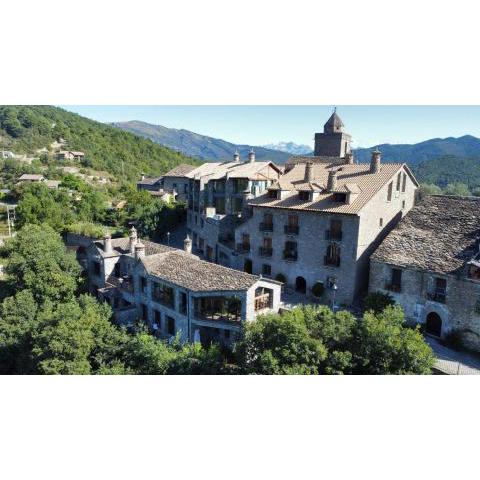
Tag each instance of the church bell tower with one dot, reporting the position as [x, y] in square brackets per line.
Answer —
[334, 141]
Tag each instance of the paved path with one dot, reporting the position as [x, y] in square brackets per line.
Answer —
[452, 362]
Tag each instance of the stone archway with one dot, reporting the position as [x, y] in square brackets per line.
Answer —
[301, 285]
[433, 324]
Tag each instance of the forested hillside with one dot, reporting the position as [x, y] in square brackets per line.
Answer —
[25, 129]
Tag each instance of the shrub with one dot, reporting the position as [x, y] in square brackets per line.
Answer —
[318, 289]
[87, 229]
[378, 301]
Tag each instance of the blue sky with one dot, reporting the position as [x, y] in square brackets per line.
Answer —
[259, 125]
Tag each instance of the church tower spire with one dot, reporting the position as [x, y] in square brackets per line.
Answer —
[334, 141]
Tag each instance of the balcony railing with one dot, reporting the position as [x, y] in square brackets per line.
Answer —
[265, 251]
[290, 255]
[331, 261]
[393, 287]
[291, 229]
[243, 247]
[266, 227]
[333, 235]
[438, 295]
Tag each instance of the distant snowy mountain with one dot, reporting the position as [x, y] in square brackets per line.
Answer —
[290, 147]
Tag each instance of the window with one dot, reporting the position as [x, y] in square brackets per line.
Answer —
[143, 284]
[399, 180]
[290, 252]
[266, 250]
[389, 193]
[339, 197]
[96, 269]
[220, 205]
[477, 307]
[304, 195]
[158, 319]
[144, 312]
[292, 226]
[174, 186]
[183, 303]
[164, 294]
[266, 269]
[267, 224]
[332, 258]
[170, 326]
[185, 188]
[335, 232]
[404, 183]
[403, 203]
[395, 284]
[116, 270]
[201, 223]
[439, 293]
[272, 194]
[237, 205]
[380, 222]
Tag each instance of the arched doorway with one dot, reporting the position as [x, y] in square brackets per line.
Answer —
[247, 266]
[301, 285]
[434, 324]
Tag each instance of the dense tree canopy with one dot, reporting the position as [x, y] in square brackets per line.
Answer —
[315, 340]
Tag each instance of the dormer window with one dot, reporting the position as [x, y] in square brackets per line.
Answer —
[340, 197]
[272, 194]
[304, 196]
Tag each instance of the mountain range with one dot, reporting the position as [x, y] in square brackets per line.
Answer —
[414, 154]
[290, 147]
[208, 148]
[196, 145]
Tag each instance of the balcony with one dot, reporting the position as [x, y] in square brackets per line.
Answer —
[333, 235]
[291, 229]
[266, 227]
[123, 283]
[438, 295]
[243, 247]
[290, 255]
[331, 261]
[393, 287]
[265, 251]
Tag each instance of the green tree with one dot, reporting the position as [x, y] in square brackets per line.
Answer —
[457, 188]
[385, 346]
[378, 301]
[280, 344]
[39, 262]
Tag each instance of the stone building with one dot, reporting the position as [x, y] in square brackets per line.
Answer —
[430, 264]
[174, 292]
[218, 202]
[320, 222]
[173, 185]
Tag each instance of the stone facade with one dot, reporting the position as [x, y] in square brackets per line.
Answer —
[175, 293]
[430, 264]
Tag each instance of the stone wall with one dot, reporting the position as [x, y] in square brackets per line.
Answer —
[459, 312]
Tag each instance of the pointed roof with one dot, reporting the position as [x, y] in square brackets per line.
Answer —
[334, 123]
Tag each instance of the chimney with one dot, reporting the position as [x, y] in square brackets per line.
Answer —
[251, 156]
[349, 158]
[142, 177]
[133, 239]
[309, 172]
[236, 156]
[332, 180]
[375, 161]
[139, 250]
[187, 245]
[107, 244]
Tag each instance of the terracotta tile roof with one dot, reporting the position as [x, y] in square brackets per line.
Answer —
[216, 170]
[438, 235]
[189, 272]
[121, 246]
[300, 159]
[354, 178]
[180, 170]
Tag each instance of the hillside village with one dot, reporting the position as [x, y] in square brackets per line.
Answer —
[199, 252]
